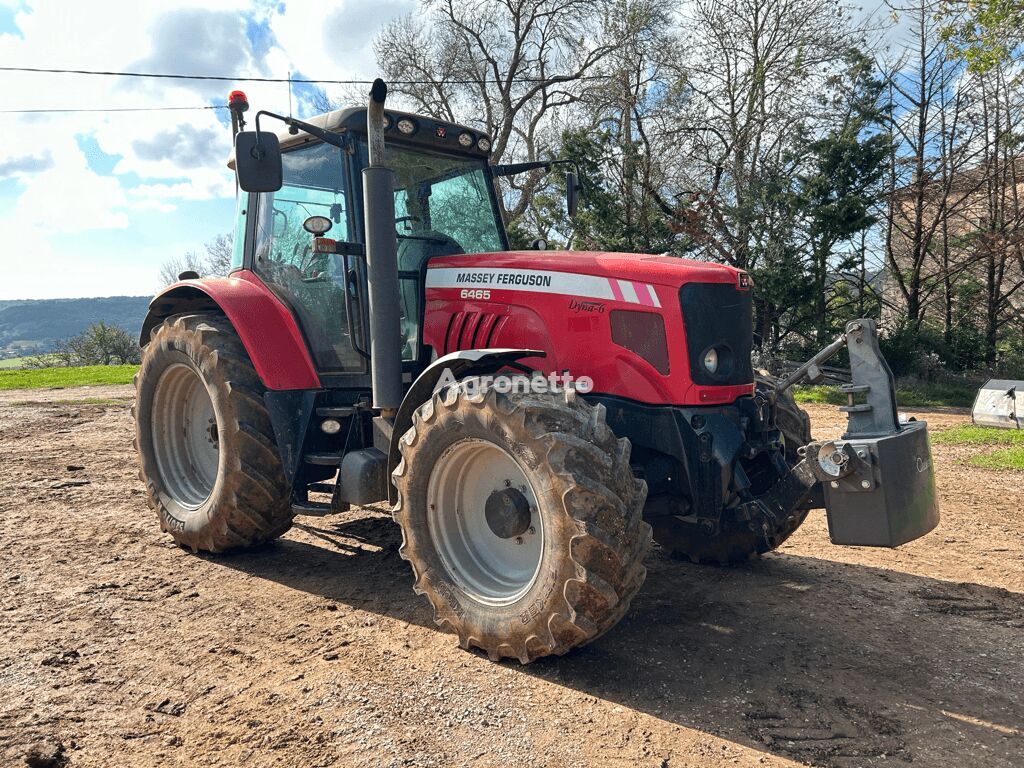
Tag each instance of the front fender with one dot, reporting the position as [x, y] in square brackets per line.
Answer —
[264, 325]
[469, 362]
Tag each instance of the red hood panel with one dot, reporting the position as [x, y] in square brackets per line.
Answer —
[661, 270]
[563, 302]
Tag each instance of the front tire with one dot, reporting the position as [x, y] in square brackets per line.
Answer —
[204, 439]
[521, 519]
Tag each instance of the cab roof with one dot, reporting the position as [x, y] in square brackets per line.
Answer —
[428, 132]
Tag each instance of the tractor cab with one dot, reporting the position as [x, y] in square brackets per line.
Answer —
[306, 240]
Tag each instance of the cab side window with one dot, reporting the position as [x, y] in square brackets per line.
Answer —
[313, 285]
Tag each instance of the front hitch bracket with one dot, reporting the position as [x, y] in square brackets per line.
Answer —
[878, 479]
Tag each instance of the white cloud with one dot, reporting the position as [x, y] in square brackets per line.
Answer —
[339, 46]
[163, 159]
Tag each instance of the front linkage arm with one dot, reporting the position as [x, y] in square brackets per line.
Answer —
[878, 479]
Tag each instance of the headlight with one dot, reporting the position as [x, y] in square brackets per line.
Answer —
[386, 122]
[466, 140]
[484, 144]
[406, 126]
[711, 360]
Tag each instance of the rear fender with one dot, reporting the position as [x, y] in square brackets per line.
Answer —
[266, 327]
[469, 362]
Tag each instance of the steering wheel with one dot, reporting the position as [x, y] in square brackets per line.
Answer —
[406, 220]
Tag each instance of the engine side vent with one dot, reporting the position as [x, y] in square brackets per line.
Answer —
[470, 330]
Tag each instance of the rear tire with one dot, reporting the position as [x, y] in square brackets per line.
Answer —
[578, 496]
[205, 443]
[739, 539]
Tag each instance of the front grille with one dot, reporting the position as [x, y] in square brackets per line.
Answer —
[718, 315]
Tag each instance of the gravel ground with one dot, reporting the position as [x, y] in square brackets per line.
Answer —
[116, 647]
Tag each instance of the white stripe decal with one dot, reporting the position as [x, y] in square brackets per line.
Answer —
[628, 292]
[535, 281]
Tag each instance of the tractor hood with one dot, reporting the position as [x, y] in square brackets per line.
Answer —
[667, 271]
[593, 311]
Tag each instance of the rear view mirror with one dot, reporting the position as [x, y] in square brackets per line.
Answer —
[572, 188]
[258, 161]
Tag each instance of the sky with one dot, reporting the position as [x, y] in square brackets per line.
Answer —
[91, 204]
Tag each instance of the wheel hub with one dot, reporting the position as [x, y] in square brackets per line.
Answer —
[508, 513]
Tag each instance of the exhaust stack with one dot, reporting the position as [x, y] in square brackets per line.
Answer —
[382, 262]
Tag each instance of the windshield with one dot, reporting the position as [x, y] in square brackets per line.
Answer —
[444, 205]
[443, 198]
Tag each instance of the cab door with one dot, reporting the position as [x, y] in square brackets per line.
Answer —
[317, 182]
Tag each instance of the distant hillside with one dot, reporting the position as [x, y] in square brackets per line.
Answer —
[29, 325]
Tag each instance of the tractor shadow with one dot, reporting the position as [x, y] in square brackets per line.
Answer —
[817, 661]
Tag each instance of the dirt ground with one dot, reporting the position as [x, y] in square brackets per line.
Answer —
[118, 648]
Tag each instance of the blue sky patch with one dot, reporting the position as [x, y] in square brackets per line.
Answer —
[7, 25]
[99, 161]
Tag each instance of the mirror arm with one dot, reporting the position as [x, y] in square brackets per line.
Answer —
[298, 125]
[512, 169]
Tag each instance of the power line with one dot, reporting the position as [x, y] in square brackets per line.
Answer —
[231, 79]
[111, 109]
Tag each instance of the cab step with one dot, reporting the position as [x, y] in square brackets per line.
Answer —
[324, 459]
[312, 508]
[322, 488]
[335, 412]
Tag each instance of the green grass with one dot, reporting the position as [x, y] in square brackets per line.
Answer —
[972, 434]
[13, 362]
[1008, 442]
[820, 395]
[918, 396]
[59, 378]
[1006, 458]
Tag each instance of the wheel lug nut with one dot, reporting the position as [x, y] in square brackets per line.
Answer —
[519, 539]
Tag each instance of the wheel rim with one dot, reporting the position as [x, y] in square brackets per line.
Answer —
[488, 568]
[185, 436]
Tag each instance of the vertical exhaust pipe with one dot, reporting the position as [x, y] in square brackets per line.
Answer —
[382, 262]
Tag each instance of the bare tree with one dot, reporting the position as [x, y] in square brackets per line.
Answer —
[218, 255]
[216, 262]
[504, 66]
[928, 181]
[99, 344]
[636, 101]
[755, 71]
[189, 262]
[999, 239]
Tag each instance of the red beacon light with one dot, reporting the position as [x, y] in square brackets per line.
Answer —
[238, 101]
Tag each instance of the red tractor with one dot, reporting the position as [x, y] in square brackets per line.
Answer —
[531, 416]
